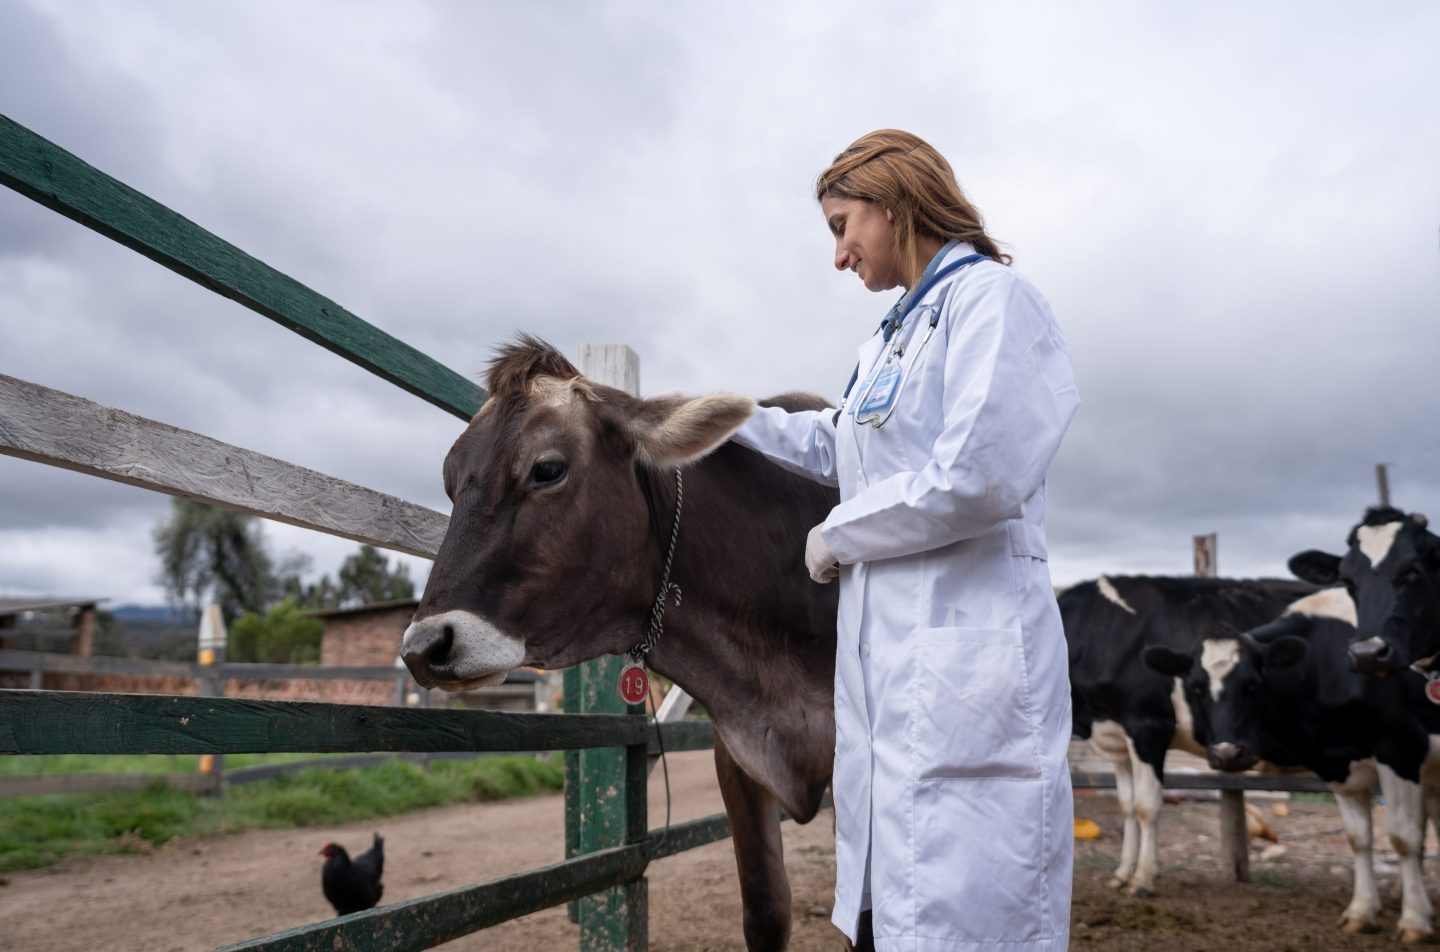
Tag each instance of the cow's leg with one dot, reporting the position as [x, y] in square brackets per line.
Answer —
[1430, 786]
[1130, 833]
[1148, 798]
[759, 855]
[1108, 740]
[1431, 794]
[1405, 825]
[1353, 799]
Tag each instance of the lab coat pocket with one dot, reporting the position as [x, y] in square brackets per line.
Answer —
[979, 860]
[971, 714]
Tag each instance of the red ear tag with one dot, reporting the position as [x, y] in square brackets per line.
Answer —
[1432, 692]
[634, 683]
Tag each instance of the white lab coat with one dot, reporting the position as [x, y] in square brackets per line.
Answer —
[953, 811]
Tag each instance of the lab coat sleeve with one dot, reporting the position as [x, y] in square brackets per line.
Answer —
[1008, 396]
[802, 442]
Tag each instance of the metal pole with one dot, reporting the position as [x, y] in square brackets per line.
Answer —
[1382, 480]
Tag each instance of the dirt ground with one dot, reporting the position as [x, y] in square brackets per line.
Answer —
[204, 893]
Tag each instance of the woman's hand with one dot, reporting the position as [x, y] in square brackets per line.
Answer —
[821, 564]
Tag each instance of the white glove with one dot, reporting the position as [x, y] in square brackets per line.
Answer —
[818, 561]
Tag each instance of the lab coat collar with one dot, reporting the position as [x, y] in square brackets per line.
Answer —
[952, 250]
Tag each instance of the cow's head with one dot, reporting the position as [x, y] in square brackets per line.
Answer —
[1222, 678]
[1392, 571]
[553, 551]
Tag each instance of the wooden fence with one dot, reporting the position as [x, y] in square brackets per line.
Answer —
[608, 845]
[214, 780]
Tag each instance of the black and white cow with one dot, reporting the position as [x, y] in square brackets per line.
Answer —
[1284, 693]
[1131, 714]
[1392, 570]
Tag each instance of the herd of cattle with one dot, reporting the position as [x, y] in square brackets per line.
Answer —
[555, 465]
[1338, 674]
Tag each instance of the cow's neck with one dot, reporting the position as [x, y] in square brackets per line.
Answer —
[752, 640]
[777, 726]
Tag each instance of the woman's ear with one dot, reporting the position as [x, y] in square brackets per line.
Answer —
[889, 215]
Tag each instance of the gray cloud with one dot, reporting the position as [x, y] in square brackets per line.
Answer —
[1233, 212]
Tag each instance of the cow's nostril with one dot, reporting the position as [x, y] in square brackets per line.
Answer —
[438, 654]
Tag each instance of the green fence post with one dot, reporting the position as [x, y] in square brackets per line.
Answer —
[571, 705]
[600, 803]
[637, 830]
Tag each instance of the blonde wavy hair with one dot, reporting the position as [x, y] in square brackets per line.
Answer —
[903, 173]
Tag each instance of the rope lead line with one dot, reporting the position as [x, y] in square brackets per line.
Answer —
[667, 587]
[665, 769]
[652, 637]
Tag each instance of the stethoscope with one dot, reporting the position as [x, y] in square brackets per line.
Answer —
[889, 327]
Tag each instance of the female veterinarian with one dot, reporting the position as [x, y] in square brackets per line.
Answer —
[952, 702]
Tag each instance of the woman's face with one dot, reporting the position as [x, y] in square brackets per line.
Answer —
[864, 240]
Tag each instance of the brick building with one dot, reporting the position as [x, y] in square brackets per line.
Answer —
[367, 635]
[371, 635]
[23, 624]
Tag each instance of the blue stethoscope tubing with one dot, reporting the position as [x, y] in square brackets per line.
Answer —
[896, 318]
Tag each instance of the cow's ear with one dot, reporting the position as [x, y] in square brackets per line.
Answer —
[1286, 651]
[1312, 565]
[673, 431]
[1167, 661]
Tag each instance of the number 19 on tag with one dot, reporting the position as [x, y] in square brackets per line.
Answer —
[634, 683]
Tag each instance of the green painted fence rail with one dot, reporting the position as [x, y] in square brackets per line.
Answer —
[33, 722]
[75, 722]
[40, 170]
[431, 920]
[1209, 780]
[54, 663]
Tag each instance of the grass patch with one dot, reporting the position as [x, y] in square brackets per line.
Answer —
[39, 831]
[30, 765]
[1305, 796]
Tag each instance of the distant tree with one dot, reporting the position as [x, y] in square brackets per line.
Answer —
[367, 577]
[280, 636]
[208, 553]
[315, 596]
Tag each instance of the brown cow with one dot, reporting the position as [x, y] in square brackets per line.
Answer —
[564, 493]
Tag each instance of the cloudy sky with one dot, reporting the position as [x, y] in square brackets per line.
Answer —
[1234, 211]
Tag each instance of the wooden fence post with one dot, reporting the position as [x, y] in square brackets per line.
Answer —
[1205, 552]
[1234, 837]
[598, 800]
[208, 683]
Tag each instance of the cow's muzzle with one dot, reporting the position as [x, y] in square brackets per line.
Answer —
[458, 650]
[1375, 657]
[1231, 757]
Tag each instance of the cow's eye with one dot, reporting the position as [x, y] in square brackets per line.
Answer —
[548, 472]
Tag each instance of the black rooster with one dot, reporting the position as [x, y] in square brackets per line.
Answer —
[353, 885]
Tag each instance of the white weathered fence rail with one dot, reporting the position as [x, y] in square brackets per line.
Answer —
[49, 426]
